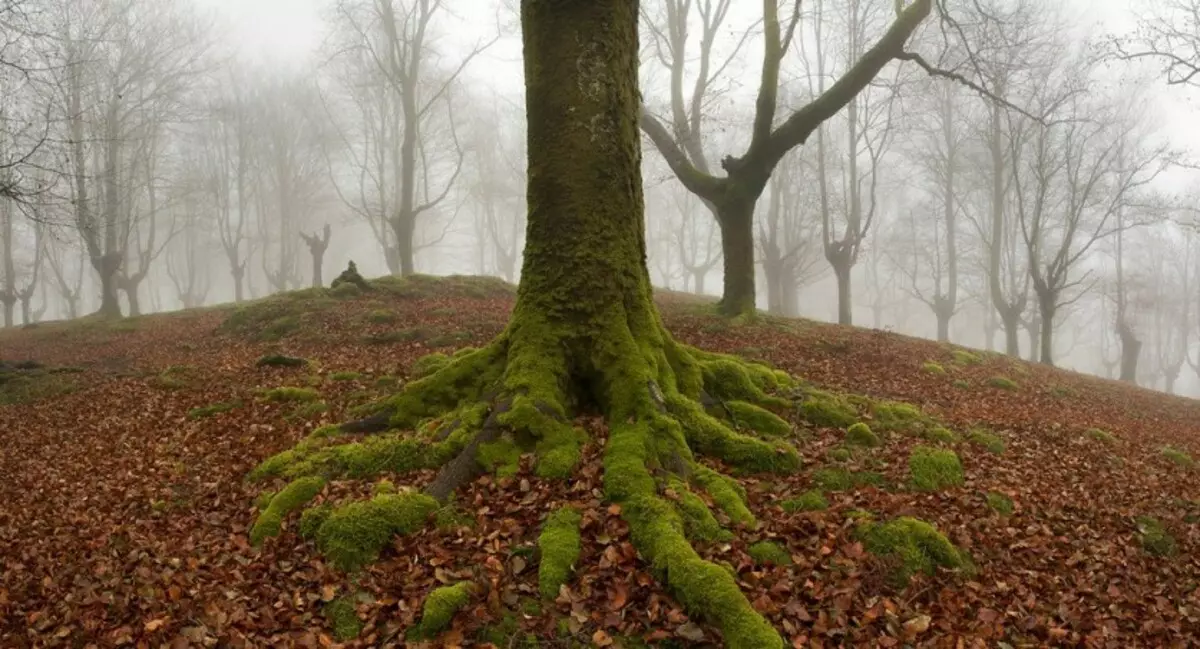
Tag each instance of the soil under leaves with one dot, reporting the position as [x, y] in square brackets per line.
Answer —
[125, 512]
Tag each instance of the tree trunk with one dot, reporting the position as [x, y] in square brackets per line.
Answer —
[698, 282]
[318, 260]
[736, 219]
[1010, 321]
[404, 246]
[585, 332]
[130, 287]
[1046, 329]
[9, 306]
[943, 325]
[106, 269]
[238, 277]
[772, 276]
[841, 270]
[26, 309]
[1131, 349]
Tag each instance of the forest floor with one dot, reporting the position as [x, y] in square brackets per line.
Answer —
[125, 510]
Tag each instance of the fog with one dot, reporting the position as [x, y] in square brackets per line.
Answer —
[167, 154]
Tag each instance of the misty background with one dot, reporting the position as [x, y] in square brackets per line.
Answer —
[180, 153]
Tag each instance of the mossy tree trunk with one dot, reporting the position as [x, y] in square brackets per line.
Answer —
[584, 335]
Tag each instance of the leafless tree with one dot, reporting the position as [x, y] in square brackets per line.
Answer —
[317, 245]
[1169, 35]
[402, 143]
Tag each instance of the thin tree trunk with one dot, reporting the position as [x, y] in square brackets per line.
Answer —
[736, 219]
[841, 270]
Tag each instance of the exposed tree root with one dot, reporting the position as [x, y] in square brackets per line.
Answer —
[664, 402]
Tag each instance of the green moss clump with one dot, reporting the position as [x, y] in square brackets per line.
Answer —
[964, 357]
[898, 417]
[213, 409]
[440, 607]
[354, 534]
[990, 441]
[940, 435]
[912, 545]
[280, 360]
[1178, 457]
[345, 291]
[809, 501]
[833, 479]
[290, 394]
[934, 468]
[766, 552]
[451, 518]
[312, 519]
[933, 368]
[861, 435]
[559, 546]
[759, 420]
[1000, 503]
[289, 499]
[381, 316]
[343, 619]
[345, 376]
[428, 364]
[825, 410]
[1003, 383]
[839, 454]
[1154, 537]
[961, 384]
[264, 500]
[383, 487]
[502, 457]
[309, 410]
[1102, 436]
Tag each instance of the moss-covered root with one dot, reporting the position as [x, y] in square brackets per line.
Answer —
[559, 547]
[289, 499]
[657, 530]
[353, 535]
[440, 607]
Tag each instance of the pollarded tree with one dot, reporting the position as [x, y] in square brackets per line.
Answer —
[584, 334]
[735, 194]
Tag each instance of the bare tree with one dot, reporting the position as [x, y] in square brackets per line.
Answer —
[1169, 35]
[788, 237]
[317, 245]
[389, 64]
[734, 195]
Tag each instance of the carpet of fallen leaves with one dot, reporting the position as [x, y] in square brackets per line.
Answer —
[123, 521]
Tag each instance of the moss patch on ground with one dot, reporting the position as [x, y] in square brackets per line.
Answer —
[910, 546]
[203, 412]
[440, 607]
[1178, 458]
[767, 552]
[343, 619]
[809, 501]
[933, 469]
[1154, 537]
[860, 434]
[988, 440]
[1000, 503]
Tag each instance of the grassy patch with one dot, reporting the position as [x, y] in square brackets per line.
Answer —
[809, 501]
[961, 384]
[288, 394]
[345, 376]
[1178, 457]
[939, 435]
[842, 479]
[931, 367]
[308, 410]
[1154, 537]
[839, 454]
[766, 552]
[381, 317]
[1101, 436]
[934, 468]
[992, 442]
[964, 357]
[280, 360]
[1003, 383]
[203, 412]
[35, 384]
[1000, 503]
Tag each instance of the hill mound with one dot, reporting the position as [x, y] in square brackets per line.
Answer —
[159, 489]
